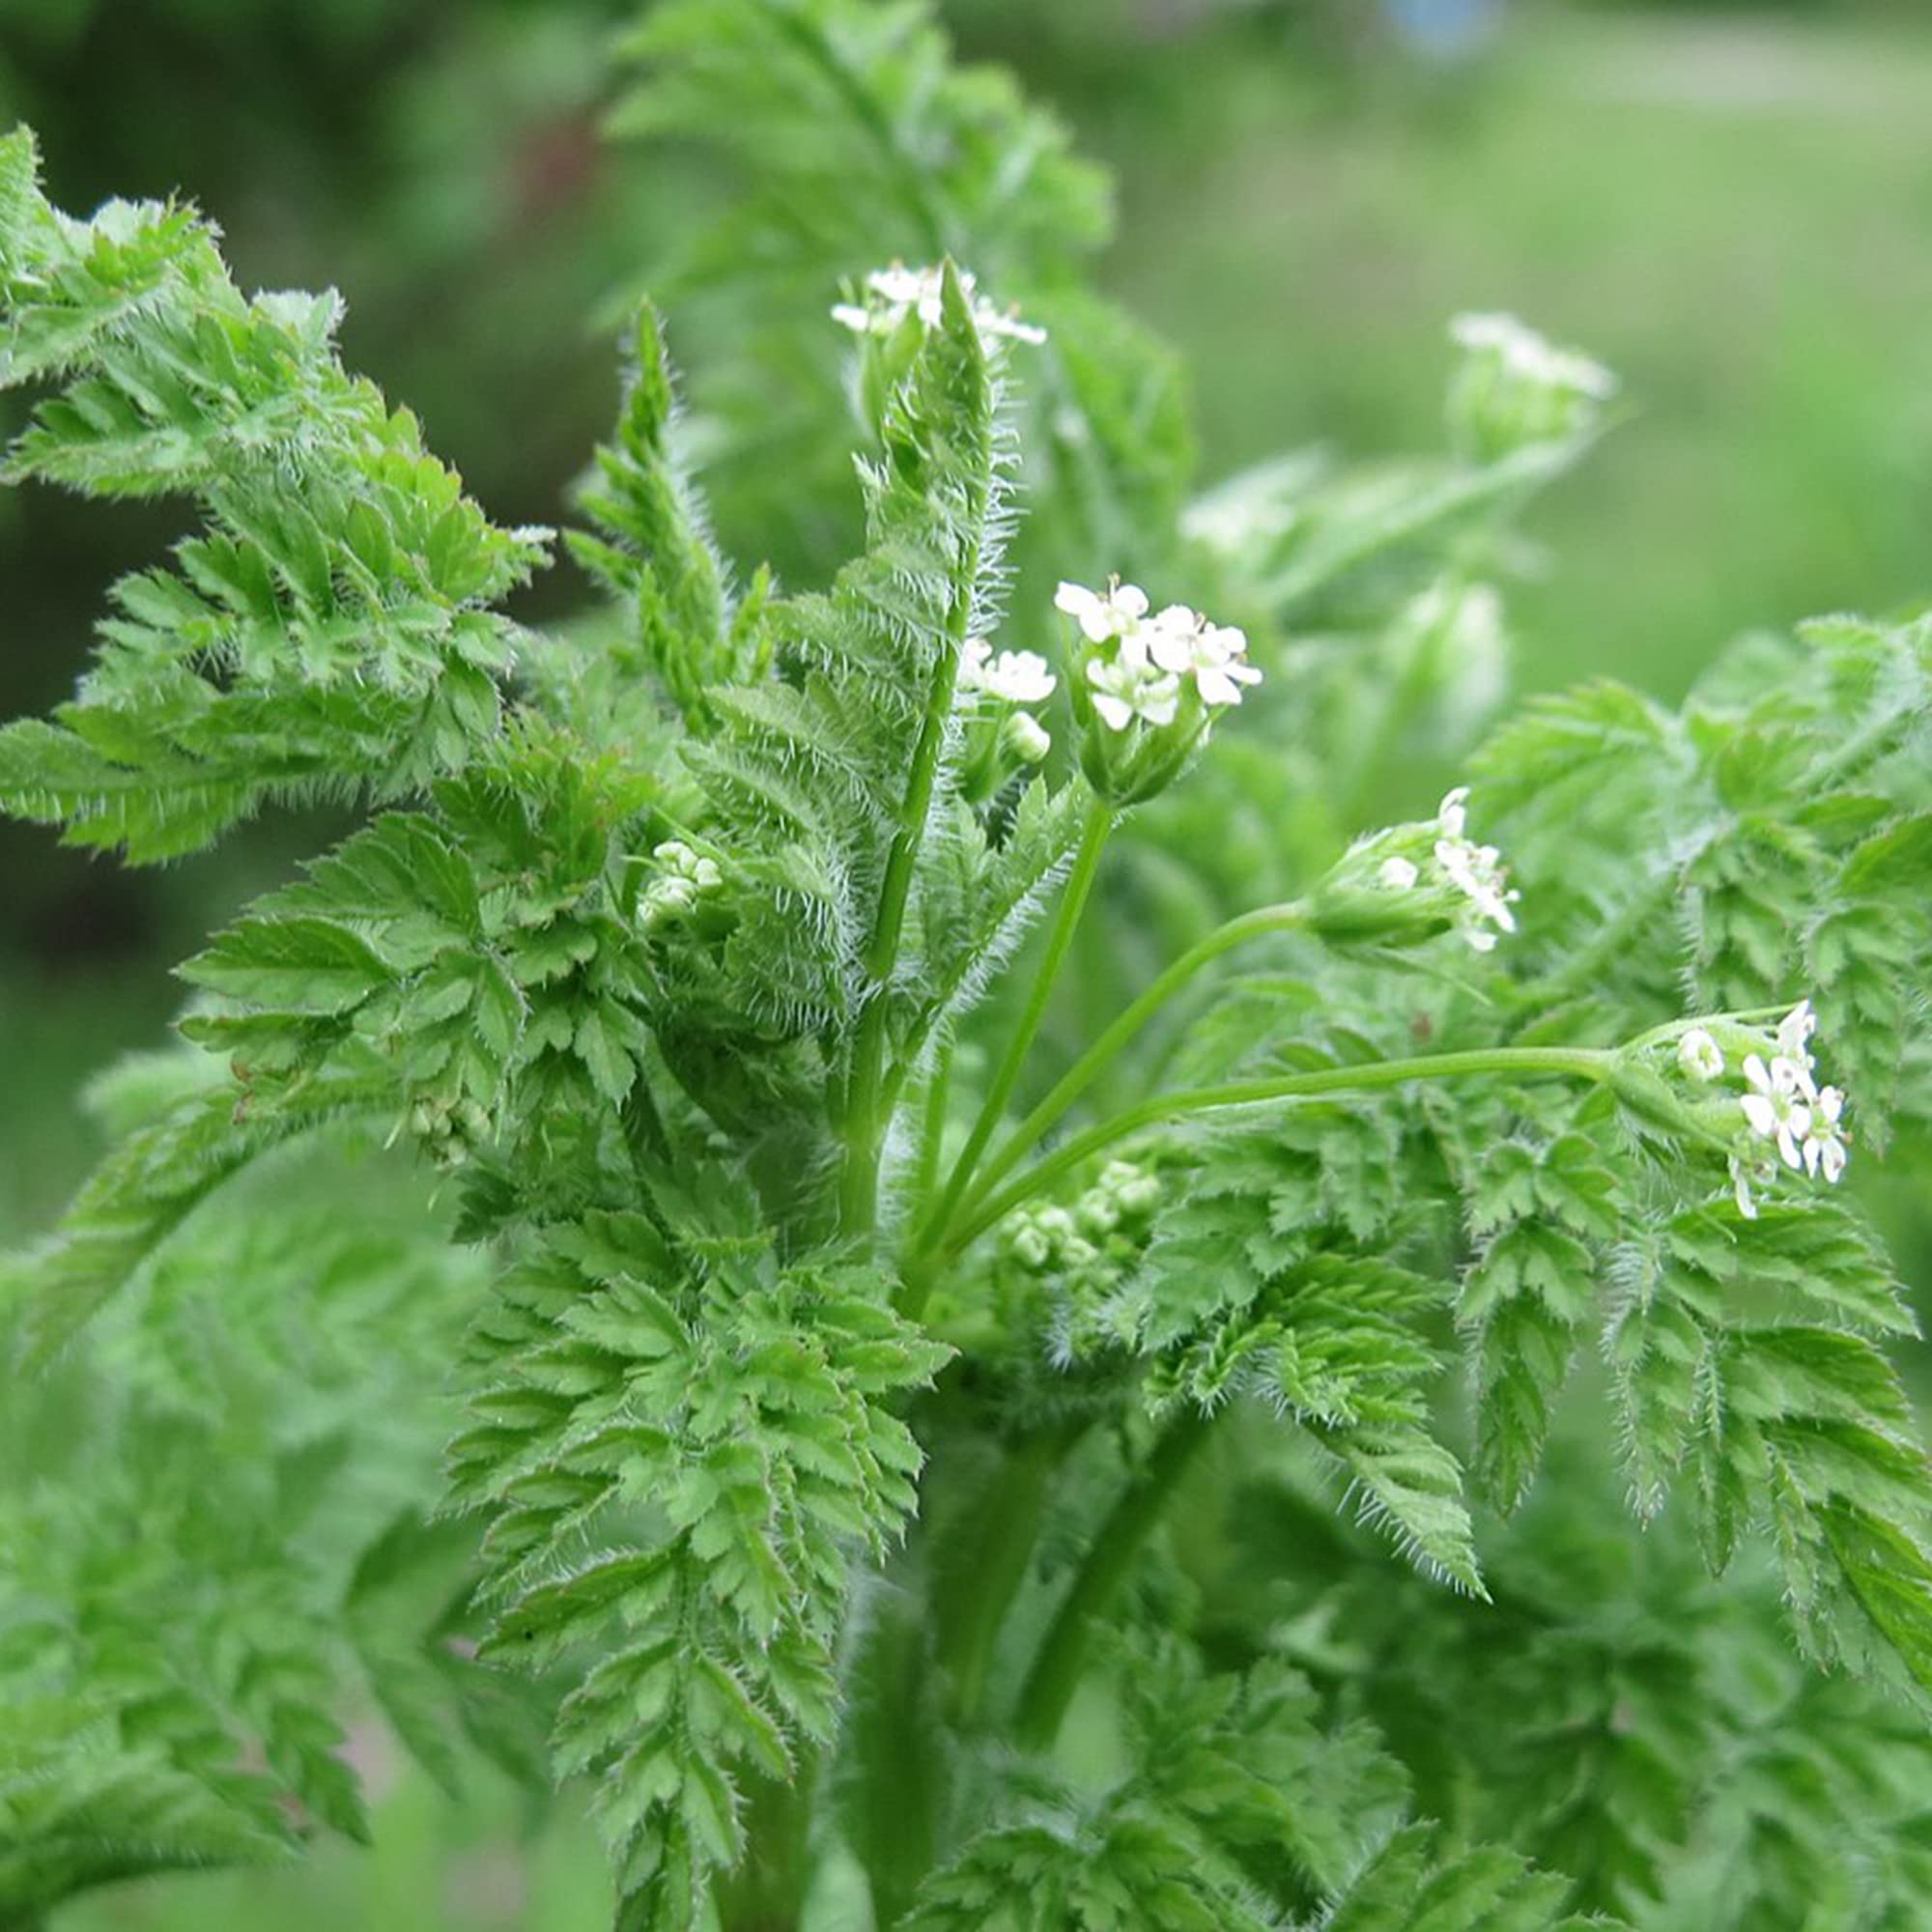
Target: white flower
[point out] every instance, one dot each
(1452, 815)
(896, 292)
(1699, 1055)
(1116, 612)
(1184, 642)
(1019, 678)
(1530, 358)
(1477, 872)
(1824, 1146)
(1130, 687)
(1397, 873)
(1775, 1108)
(1794, 1034)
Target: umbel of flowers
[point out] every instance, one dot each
(891, 297)
(1754, 1092)
(1412, 881)
(1146, 685)
(1515, 388)
(892, 310)
(1002, 735)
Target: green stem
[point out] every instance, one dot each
(932, 1124)
(1576, 1062)
(1057, 1670)
(1108, 1048)
(764, 1893)
(990, 1564)
(1072, 901)
(864, 1130)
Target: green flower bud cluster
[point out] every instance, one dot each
(450, 1131)
(1102, 1228)
(682, 877)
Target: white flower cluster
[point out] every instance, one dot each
(1529, 358)
(1014, 677)
(1476, 871)
(682, 876)
(1784, 1108)
(1145, 660)
(893, 294)
(1011, 680)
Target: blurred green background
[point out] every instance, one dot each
(1731, 205)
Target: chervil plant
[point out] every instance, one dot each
(876, 1226)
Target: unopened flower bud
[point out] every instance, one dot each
(1029, 1245)
(1024, 739)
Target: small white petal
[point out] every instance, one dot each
(1833, 1160)
(1761, 1115)
(1790, 1076)
(1169, 649)
(1217, 686)
(1161, 701)
(1398, 873)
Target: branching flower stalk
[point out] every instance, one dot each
(1100, 823)
(1500, 1063)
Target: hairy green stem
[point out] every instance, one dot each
(1105, 1050)
(865, 1128)
(1573, 1062)
(1057, 1669)
(1072, 902)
